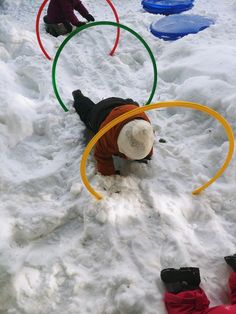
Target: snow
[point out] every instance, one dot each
(60, 250)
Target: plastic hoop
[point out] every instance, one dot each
(177, 103)
(101, 23)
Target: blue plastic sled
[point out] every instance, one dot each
(176, 26)
(167, 7)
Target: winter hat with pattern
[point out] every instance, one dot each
(136, 139)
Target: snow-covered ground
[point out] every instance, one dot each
(60, 250)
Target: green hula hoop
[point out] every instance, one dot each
(78, 30)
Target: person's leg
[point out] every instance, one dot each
(183, 294)
(50, 28)
(187, 302)
(232, 285)
(68, 27)
(231, 261)
(83, 106)
(57, 29)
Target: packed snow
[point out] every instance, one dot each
(61, 251)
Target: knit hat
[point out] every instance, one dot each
(136, 139)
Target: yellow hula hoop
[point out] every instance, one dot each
(178, 103)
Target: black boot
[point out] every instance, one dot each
(57, 29)
(50, 29)
(177, 280)
(77, 93)
(231, 261)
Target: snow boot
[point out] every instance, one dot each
(57, 29)
(77, 93)
(231, 261)
(183, 279)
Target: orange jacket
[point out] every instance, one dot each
(107, 144)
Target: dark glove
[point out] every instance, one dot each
(144, 160)
(90, 18)
(80, 24)
(118, 172)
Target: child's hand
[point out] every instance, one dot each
(110, 184)
(90, 18)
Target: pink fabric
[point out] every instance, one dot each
(222, 309)
(186, 302)
(232, 285)
(196, 301)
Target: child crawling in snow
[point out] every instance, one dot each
(60, 16)
(131, 139)
(184, 296)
